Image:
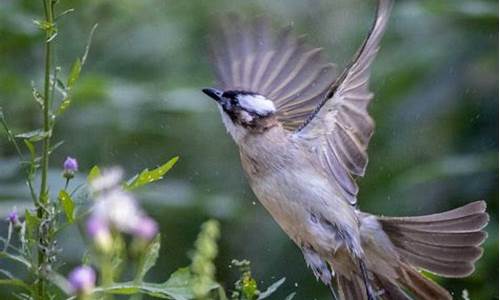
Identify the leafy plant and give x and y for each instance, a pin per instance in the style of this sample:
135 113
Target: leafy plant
120 235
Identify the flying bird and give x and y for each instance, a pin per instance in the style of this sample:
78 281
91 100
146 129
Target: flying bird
302 131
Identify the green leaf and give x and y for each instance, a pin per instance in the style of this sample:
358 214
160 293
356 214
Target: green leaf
94 173
32 223
7 274
31 149
177 287
67 205
64 13
76 68
15 282
16 258
179 284
291 296
249 288
34 136
271 289
36 95
150 257
147 176
63 106
89 41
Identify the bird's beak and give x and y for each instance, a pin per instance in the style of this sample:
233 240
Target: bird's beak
213 93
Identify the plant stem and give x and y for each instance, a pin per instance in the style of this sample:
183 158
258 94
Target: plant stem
43 199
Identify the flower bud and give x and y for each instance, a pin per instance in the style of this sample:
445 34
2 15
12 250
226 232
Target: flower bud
70 167
82 280
13 217
98 230
146 229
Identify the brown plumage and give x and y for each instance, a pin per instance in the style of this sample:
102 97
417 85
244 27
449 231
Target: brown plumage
279 66
303 134
446 244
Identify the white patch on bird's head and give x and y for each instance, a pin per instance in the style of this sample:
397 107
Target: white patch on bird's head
244 112
257 104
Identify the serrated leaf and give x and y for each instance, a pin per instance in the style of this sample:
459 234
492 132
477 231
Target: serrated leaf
94 173
150 257
177 287
67 205
271 289
147 176
34 136
179 284
74 73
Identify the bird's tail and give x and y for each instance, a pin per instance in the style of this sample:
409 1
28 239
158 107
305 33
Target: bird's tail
447 244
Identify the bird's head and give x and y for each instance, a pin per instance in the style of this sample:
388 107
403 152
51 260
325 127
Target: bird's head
244 112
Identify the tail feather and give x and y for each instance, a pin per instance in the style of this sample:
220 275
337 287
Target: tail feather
420 286
388 290
466 210
445 243
443 268
463 224
468 218
436 238
445 253
351 288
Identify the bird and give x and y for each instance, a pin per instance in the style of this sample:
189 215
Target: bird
302 130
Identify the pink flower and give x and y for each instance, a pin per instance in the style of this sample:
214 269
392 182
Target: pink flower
82 280
146 228
98 230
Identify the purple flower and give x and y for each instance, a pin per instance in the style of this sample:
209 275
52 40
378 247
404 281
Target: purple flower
95 225
70 164
146 228
82 280
13 217
70 167
98 230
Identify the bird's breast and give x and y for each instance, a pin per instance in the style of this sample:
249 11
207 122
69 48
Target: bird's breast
297 195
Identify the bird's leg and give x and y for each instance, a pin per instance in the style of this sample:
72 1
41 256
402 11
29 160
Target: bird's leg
366 280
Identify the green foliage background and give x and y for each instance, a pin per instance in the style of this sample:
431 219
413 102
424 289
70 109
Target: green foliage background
138 103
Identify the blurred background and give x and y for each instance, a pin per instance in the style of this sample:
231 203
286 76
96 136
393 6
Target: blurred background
138 103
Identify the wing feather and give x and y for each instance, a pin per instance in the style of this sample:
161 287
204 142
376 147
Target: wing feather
279 66
326 111
340 126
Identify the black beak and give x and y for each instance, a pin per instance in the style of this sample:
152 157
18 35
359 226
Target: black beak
213 93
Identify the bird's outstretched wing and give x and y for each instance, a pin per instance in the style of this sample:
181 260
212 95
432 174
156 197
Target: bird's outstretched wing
340 127
253 58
